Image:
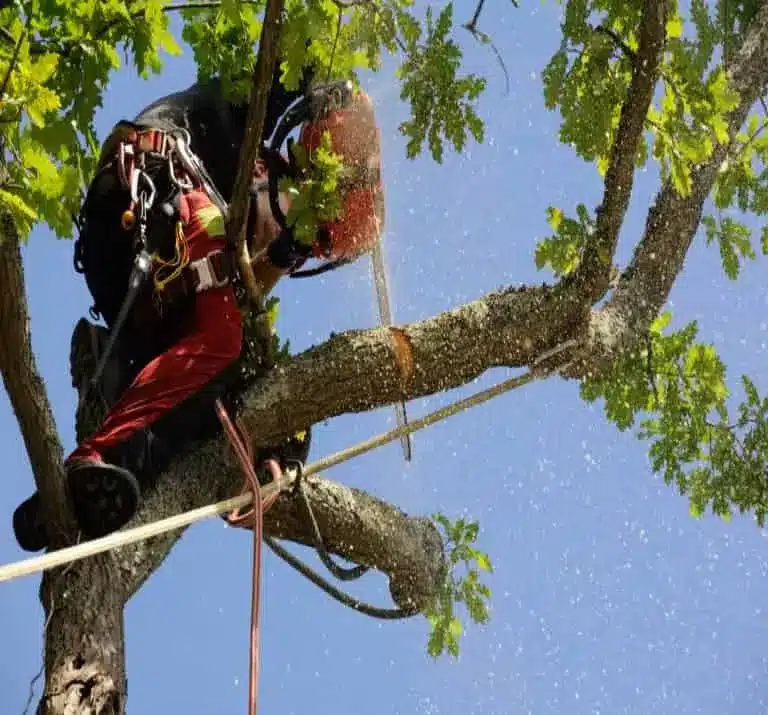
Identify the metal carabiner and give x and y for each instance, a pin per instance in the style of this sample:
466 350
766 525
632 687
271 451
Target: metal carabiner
183 184
137 175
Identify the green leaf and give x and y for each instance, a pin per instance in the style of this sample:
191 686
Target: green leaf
484 562
734 240
675 26
562 252
442 102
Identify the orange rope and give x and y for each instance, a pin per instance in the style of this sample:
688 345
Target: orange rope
253 519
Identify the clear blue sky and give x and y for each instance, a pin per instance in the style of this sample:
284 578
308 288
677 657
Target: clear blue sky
608 597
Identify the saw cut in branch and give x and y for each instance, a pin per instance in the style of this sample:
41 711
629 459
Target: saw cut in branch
26 389
673 220
593 272
254 125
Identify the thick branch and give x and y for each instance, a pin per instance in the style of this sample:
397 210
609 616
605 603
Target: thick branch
674 219
351 372
26 389
354 524
358 371
254 126
593 273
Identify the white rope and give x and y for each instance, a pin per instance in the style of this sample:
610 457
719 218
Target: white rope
118 539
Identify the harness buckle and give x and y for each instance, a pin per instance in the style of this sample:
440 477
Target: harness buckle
208 279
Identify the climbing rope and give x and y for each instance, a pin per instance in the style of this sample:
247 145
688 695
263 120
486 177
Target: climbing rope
340 572
253 519
118 539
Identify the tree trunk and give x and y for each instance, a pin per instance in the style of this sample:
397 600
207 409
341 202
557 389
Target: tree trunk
85 653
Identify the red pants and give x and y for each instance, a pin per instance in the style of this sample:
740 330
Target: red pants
212 343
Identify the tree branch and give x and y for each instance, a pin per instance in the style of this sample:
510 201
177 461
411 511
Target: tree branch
354 371
254 125
593 272
673 219
26 389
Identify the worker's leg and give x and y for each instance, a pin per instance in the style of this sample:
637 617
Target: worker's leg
170 378
104 496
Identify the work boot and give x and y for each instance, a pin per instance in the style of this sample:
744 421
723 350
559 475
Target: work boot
104 497
28 527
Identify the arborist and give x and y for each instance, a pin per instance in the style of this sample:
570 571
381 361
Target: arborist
152 229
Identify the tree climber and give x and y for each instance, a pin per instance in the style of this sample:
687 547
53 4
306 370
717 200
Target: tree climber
155 208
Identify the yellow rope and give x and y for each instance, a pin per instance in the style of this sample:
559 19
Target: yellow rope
176 265
140 533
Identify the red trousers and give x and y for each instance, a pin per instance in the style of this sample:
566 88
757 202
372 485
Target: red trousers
212 342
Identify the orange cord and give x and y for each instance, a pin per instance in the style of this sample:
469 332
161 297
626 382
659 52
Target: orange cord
253 519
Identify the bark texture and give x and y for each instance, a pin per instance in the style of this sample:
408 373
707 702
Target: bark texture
85 645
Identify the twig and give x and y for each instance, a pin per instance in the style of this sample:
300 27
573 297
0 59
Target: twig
199 5
484 38
472 24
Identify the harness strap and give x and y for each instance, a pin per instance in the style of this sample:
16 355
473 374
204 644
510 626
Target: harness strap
215 270
136 141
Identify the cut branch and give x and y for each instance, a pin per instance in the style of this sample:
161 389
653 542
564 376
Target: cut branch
673 220
594 270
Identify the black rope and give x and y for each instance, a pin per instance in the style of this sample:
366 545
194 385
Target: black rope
344 598
340 572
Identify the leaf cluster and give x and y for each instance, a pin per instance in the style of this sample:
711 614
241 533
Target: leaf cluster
461 584
677 388
56 58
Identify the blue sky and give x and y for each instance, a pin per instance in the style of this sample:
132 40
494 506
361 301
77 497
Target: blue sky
608 598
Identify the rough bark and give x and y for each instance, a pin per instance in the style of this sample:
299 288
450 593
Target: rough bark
85 647
26 389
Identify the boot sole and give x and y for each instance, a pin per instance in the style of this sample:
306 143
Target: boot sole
104 498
